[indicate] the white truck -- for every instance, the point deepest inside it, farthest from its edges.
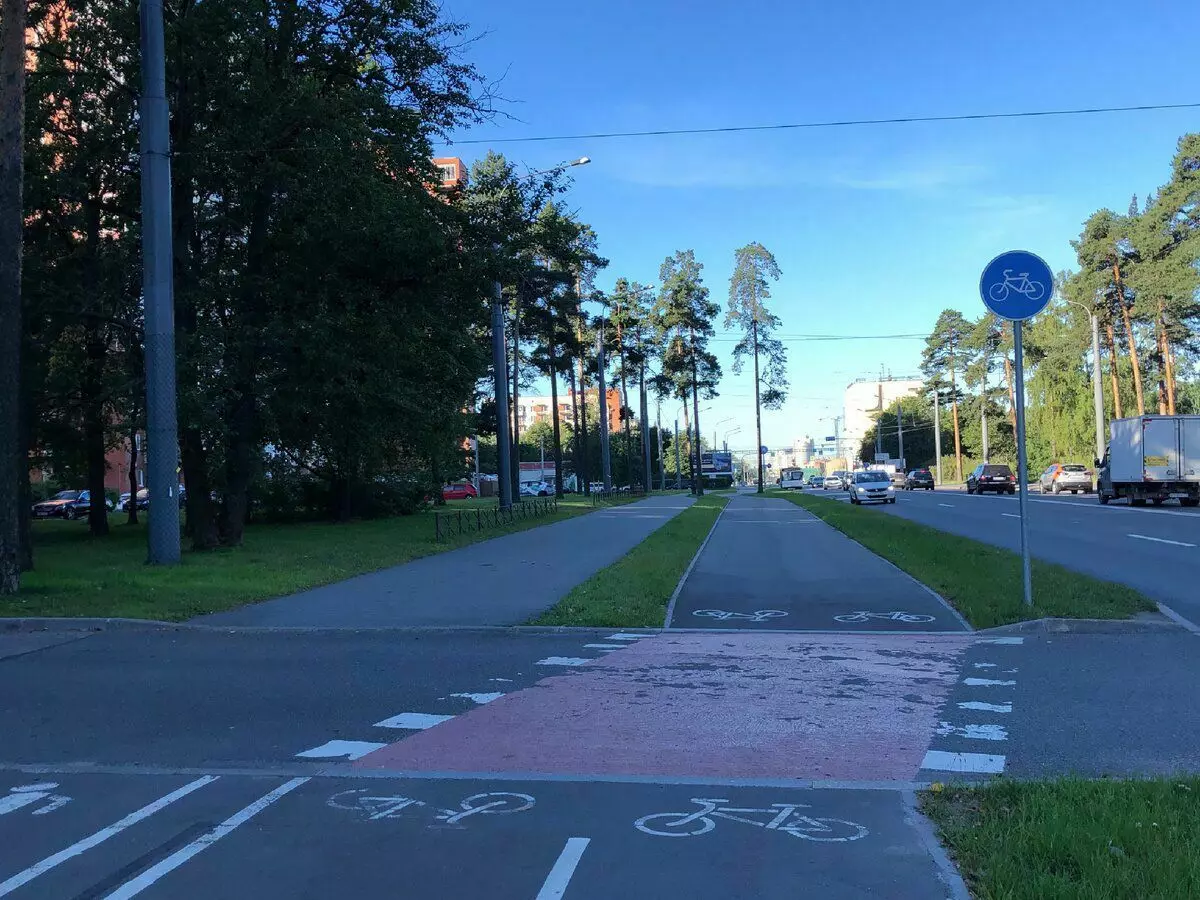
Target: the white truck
(1155, 458)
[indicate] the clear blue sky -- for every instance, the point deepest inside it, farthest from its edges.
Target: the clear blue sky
(876, 229)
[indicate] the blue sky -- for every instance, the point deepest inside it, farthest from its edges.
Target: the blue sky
(876, 229)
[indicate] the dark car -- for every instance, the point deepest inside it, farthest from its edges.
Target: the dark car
(58, 506)
(82, 505)
(143, 500)
(992, 477)
(918, 478)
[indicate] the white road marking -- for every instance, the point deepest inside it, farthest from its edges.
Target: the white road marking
(555, 885)
(942, 761)
(985, 665)
(987, 682)
(974, 732)
(486, 697)
(99, 837)
(986, 707)
(606, 647)
(414, 720)
(1010, 515)
(135, 886)
(501, 679)
(1128, 509)
(1003, 640)
(622, 636)
(563, 661)
(1146, 537)
(348, 749)
(947, 505)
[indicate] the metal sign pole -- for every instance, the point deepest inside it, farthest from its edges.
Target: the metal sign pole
(1022, 486)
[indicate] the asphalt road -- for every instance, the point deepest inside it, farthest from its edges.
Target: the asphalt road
(1153, 549)
(504, 581)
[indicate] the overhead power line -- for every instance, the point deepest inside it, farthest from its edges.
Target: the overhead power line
(842, 123)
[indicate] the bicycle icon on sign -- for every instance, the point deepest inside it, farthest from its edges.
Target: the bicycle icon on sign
(722, 615)
(776, 817)
(1020, 284)
(864, 616)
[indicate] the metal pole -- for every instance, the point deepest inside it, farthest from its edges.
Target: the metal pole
(900, 431)
(647, 470)
(1022, 487)
(1097, 387)
(983, 428)
(162, 431)
(605, 462)
(662, 466)
(937, 433)
(678, 459)
(475, 441)
(500, 370)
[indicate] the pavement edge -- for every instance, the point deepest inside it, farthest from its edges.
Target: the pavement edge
(947, 871)
(691, 565)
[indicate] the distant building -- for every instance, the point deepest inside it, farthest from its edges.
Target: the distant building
(453, 172)
(535, 408)
(805, 449)
(863, 400)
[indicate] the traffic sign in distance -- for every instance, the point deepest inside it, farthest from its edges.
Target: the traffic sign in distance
(1016, 285)
(763, 450)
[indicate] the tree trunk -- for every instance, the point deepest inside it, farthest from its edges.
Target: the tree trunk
(12, 172)
(1012, 393)
(1112, 369)
(1129, 337)
(957, 432)
(133, 461)
(576, 447)
(24, 489)
(1168, 360)
(516, 396)
(698, 471)
(582, 434)
(757, 413)
(625, 422)
(92, 381)
(552, 353)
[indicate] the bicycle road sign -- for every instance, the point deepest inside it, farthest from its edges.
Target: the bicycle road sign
(1016, 285)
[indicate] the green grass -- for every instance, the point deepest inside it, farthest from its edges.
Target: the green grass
(981, 581)
(76, 575)
(1073, 840)
(633, 592)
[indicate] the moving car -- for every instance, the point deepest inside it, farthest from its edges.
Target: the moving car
(918, 478)
(837, 481)
(816, 481)
(992, 477)
(872, 487)
(1066, 477)
(56, 507)
(459, 491)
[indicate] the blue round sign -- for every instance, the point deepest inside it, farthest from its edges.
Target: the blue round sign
(1016, 285)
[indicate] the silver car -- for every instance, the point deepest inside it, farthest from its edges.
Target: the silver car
(1062, 477)
(836, 481)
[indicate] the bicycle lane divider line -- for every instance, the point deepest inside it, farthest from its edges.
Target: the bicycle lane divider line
(99, 837)
(146, 879)
(555, 885)
(691, 565)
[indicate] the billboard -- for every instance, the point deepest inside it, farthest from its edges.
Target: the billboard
(713, 463)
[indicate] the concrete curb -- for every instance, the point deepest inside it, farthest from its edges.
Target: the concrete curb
(947, 871)
(1144, 623)
(688, 571)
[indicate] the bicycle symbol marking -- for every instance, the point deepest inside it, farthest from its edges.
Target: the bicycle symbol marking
(1021, 284)
(374, 808)
(760, 616)
(865, 616)
(776, 817)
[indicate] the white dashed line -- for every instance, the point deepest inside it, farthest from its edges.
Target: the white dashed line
(987, 682)
(607, 648)
(986, 707)
(487, 697)
(563, 661)
(1146, 537)
(1010, 515)
(346, 749)
(947, 505)
(1003, 640)
(414, 720)
(622, 636)
(942, 761)
(985, 665)
(973, 732)
(555, 885)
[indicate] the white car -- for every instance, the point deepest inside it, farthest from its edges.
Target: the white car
(872, 487)
(836, 481)
(536, 489)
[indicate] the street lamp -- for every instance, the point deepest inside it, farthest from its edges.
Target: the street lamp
(715, 426)
(1097, 379)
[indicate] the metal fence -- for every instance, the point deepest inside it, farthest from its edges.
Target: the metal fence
(466, 521)
(604, 498)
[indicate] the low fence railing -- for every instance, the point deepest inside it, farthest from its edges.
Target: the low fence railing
(603, 497)
(452, 523)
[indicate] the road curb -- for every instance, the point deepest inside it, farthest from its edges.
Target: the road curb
(1146, 623)
(925, 830)
(691, 565)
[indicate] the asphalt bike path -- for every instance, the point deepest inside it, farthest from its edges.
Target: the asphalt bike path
(503, 581)
(771, 565)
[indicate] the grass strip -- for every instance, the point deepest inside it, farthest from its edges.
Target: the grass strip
(77, 575)
(633, 592)
(1073, 839)
(981, 581)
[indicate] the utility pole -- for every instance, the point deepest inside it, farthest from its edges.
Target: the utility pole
(937, 432)
(475, 447)
(1097, 386)
(162, 431)
(678, 459)
(879, 421)
(900, 431)
(662, 468)
(605, 462)
(698, 472)
(758, 407)
(647, 473)
(500, 371)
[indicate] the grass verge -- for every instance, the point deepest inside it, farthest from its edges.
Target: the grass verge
(633, 592)
(983, 582)
(77, 575)
(1073, 839)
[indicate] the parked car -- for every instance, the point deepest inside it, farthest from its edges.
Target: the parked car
(917, 479)
(816, 481)
(82, 505)
(459, 491)
(539, 489)
(992, 477)
(56, 507)
(1066, 477)
(143, 500)
(872, 486)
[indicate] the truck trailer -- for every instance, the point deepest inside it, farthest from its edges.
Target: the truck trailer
(1152, 458)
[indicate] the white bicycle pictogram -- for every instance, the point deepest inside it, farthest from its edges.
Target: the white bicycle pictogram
(379, 807)
(1021, 284)
(776, 817)
(760, 616)
(864, 616)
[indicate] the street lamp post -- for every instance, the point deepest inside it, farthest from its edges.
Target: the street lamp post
(1097, 378)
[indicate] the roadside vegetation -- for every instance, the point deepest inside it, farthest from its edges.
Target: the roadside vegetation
(634, 591)
(1073, 839)
(87, 576)
(981, 581)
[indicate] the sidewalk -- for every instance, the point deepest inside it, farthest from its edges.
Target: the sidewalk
(504, 581)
